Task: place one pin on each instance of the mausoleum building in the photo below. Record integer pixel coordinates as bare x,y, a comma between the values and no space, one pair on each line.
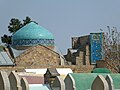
30,35
32,47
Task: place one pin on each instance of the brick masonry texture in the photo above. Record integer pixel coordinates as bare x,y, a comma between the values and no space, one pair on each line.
39,56
110,64
45,57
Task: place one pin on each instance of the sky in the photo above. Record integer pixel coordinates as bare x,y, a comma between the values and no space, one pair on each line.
64,18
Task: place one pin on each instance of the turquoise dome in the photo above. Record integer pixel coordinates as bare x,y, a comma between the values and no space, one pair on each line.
32,31
32,34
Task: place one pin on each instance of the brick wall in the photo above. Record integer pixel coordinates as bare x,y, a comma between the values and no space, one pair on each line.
39,56
108,64
82,41
43,57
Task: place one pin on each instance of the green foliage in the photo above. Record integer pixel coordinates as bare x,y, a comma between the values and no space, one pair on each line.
1,48
26,21
15,25
6,39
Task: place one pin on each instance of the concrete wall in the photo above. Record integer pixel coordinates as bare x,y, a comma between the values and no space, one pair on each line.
99,83
12,81
69,83
4,81
58,83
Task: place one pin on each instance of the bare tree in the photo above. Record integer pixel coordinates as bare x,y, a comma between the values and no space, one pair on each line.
111,48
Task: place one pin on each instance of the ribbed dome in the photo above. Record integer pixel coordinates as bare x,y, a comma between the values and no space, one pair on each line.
32,34
32,31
